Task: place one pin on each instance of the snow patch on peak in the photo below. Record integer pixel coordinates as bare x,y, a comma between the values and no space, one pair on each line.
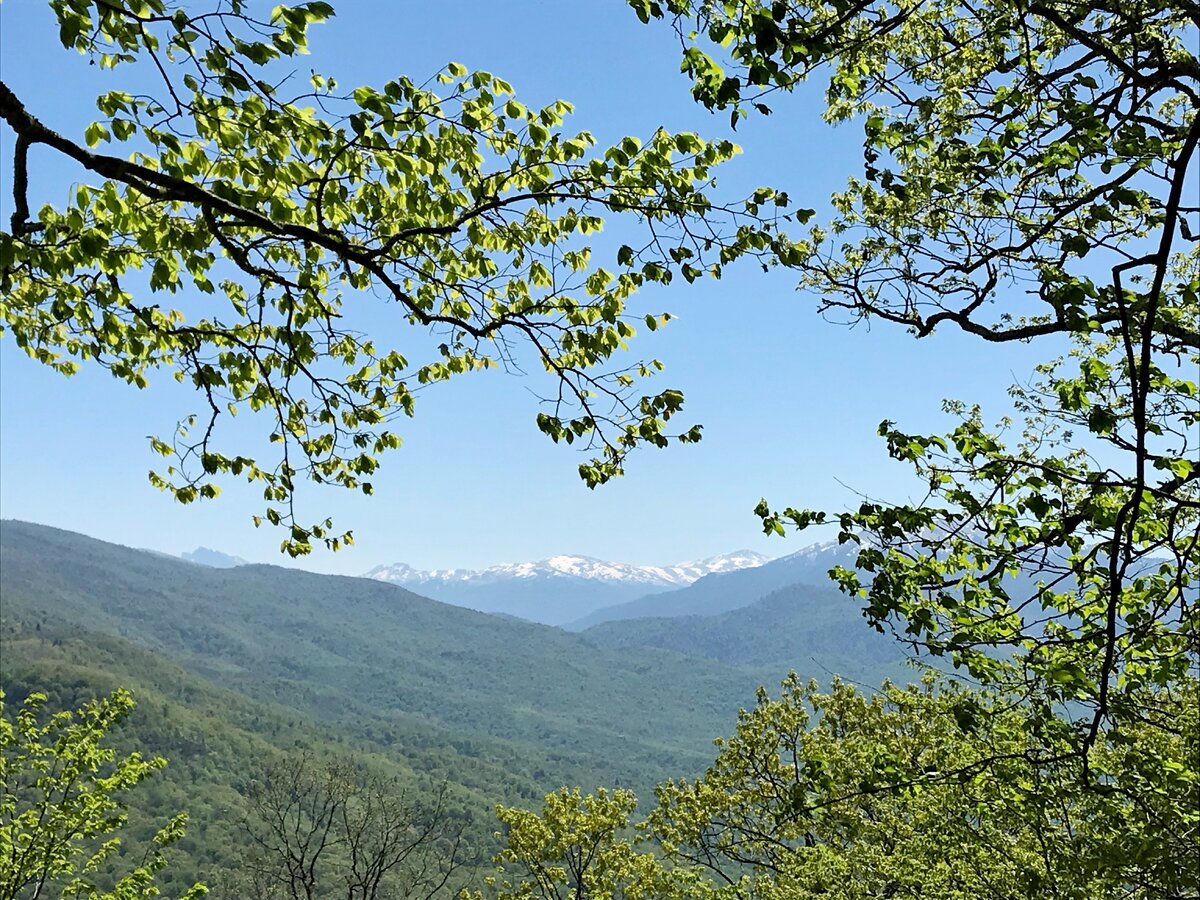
574,567
821,549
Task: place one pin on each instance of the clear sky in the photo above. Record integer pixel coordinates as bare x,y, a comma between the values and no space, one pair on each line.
789,402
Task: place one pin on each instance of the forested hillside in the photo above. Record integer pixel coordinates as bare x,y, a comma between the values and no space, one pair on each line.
233,668
378,661
810,629
219,741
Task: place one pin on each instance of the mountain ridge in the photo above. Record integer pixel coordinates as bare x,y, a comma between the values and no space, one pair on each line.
721,592
558,589
370,657
574,566
214,559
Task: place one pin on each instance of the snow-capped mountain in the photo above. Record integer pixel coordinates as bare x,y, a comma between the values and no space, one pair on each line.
722,591
558,589
585,567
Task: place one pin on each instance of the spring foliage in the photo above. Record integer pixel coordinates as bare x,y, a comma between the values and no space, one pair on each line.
841,795
61,811
231,227
1029,174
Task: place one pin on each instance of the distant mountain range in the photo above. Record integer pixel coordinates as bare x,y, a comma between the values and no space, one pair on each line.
578,592
371,658
721,591
574,567
356,649
560,589
214,559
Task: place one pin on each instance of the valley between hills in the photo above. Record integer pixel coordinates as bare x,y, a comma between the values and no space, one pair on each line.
249,663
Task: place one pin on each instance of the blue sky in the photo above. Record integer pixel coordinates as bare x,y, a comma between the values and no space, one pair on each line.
789,402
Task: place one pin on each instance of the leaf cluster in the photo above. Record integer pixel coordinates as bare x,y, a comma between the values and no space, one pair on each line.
274,218
61,813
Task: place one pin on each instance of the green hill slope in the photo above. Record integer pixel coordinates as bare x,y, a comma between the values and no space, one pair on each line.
814,630
218,741
381,663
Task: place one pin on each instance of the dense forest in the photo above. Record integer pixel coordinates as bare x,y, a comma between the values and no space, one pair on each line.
1028,179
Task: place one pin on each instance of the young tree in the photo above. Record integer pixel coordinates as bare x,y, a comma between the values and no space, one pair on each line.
578,848
323,830
61,812
282,208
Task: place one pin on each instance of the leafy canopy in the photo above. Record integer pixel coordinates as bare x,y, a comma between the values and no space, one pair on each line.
1029,174
845,796
60,813
248,222
578,846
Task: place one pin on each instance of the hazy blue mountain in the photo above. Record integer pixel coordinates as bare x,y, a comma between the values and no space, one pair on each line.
814,630
376,659
723,591
557,590
212,558
549,600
